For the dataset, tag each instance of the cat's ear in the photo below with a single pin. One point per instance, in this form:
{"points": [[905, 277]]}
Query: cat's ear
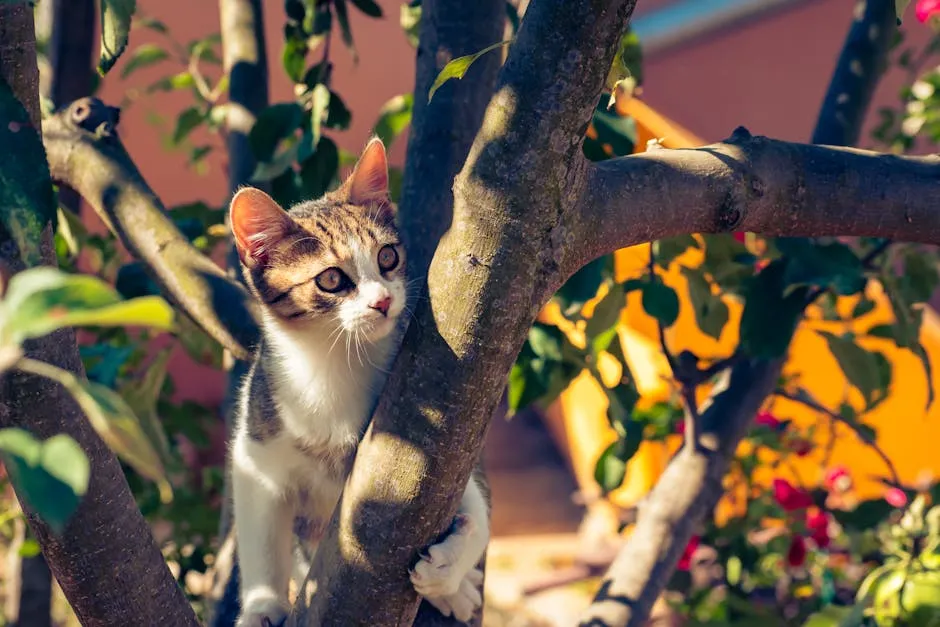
{"points": [[257, 224], [369, 181]]}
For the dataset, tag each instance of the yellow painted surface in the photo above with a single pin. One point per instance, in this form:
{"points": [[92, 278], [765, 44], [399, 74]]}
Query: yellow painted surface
{"points": [[909, 435]]}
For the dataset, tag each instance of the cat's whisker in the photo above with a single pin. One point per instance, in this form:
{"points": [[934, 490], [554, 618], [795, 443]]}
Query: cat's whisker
{"points": [[358, 345], [338, 332]]}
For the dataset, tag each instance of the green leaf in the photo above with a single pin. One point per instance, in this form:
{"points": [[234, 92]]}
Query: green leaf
{"points": [[27, 201], [274, 124], [628, 63], [665, 251], [612, 465], [142, 394], [112, 419], [613, 131], [458, 67], [369, 7], [919, 280], [143, 56], [605, 317], [610, 470], [293, 58], [825, 265], [115, 26], [769, 318], [394, 117], [861, 367], [186, 123], [711, 313], [885, 331], [661, 302], [51, 476], [728, 262], [150, 23], [921, 354], [342, 16], [182, 80], [41, 300], [319, 170], [410, 20], [320, 103], [862, 307], [338, 116], [583, 285], [546, 341], [907, 319], [29, 548]]}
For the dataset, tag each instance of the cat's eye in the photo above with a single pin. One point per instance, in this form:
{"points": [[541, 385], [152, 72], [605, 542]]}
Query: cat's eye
{"points": [[332, 280], [388, 258]]}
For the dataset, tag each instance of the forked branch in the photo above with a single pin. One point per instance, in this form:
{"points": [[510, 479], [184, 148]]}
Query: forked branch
{"points": [[85, 153]]}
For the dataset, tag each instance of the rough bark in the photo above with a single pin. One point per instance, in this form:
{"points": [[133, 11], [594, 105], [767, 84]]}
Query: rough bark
{"points": [[106, 560], [85, 152], [439, 140], [508, 243], [691, 485], [752, 183]]}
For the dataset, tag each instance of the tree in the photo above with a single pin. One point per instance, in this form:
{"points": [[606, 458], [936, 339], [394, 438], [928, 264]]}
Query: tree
{"points": [[527, 210]]}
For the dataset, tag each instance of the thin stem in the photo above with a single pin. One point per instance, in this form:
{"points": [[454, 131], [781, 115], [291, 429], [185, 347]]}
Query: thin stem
{"points": [[870, 441]]}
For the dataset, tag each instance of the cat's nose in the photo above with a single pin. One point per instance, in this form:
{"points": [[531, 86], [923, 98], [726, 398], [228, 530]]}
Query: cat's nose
{"points": [[382, 305]]}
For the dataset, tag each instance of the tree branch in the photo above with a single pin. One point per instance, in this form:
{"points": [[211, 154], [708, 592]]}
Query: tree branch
{"points": [[106, 560], [85, 152], [809, 401], [752, 183], [862, 62], [245, 62], [686, 491], [509, 238]]}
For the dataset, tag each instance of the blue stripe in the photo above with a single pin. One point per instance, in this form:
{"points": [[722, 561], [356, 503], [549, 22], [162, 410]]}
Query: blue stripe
{"points": [[688, 17]]}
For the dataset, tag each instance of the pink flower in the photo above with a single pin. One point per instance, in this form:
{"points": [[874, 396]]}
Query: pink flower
{"points": [[796, 556], [767, 419], [896, 497], [926, 9], [741, 235], [817, 522], [838, 478], [790, 498], [685, 562]]}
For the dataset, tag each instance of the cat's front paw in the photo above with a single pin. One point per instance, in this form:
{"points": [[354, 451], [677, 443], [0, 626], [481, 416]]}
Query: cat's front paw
{"points": [[463, 603], [447, 575], [263, 612]]}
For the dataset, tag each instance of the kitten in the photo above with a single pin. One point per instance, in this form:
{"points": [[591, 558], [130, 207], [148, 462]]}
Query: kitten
{"points": [[330, 275]]}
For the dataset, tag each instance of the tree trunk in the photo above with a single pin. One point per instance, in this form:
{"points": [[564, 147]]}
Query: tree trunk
{"points": [[245, 62], [106, 560], [440, 138]]}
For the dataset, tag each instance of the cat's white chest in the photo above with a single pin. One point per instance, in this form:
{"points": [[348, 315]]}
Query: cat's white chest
{"points": [[326, 392]]}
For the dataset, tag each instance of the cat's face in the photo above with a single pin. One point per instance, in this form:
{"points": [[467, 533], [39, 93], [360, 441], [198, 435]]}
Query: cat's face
{"points": [[336, 263]]}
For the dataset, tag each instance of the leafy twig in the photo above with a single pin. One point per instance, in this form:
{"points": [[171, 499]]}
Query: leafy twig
{"points": [[810, 402]]}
